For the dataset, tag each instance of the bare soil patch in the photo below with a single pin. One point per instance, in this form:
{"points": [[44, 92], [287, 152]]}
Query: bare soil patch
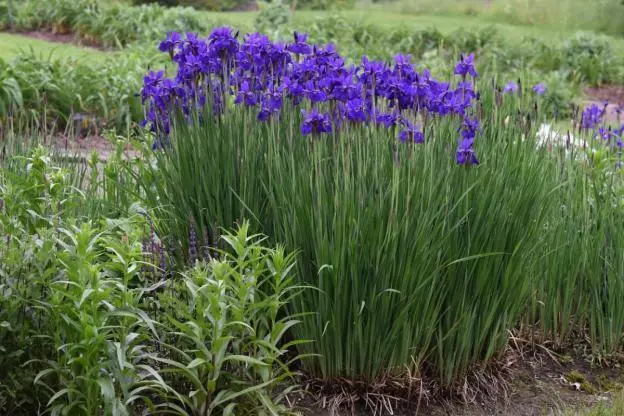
{"points": [[50, 36], [83, 147], [612, 93], [538, 384], [61, 37]]}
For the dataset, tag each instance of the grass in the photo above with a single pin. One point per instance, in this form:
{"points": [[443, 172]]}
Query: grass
{"points": [[391, 19], [564, 14], [616, 409], [387, 16], [445, 16], [396, 15], [12, 44]]}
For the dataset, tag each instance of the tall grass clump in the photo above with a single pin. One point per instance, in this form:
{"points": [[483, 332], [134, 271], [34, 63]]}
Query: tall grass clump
{"points": [[579, 286], [427, 215]]}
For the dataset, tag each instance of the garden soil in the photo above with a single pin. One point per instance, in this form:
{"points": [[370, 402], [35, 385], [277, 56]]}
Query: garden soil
{"points": [[539, 384]]}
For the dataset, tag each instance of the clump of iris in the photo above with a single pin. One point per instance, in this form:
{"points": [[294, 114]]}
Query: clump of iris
{"points": [[262, 75]]}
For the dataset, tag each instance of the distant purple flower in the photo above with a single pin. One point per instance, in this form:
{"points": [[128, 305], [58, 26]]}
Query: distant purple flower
{"points": [[510, 88], [466, 66], [540, 89], [316, 123], [606, 133], [592, 116]]}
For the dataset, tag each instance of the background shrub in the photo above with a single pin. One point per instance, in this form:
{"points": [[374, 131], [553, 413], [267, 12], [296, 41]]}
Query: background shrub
{"points": [[201, 4], [274, 19]]}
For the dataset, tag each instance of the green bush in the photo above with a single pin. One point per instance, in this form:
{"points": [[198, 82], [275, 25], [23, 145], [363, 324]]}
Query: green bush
{"points": [[224, 329], [90, 325], [11, 100], [54, 90], [324, 4], [592, 57], [274, 19], [199, 4]]}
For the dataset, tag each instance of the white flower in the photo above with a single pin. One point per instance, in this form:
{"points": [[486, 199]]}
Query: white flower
{"points": [[547, 136]]}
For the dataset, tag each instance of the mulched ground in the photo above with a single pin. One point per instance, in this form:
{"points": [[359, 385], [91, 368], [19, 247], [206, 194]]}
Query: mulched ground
{"points": [[49, 36], [539, 383], [612, 93], [83, 147], [56, 37]]}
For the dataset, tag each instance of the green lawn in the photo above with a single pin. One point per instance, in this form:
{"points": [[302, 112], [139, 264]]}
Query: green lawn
{"points": [[389, 17], [12, 44]]}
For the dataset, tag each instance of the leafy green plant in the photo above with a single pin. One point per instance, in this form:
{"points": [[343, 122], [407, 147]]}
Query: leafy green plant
{"points": [[273, 19], [58, 89], [199, 4], [225, 339], [89, 324], [591, 56], [11, 100], [101, 334]]}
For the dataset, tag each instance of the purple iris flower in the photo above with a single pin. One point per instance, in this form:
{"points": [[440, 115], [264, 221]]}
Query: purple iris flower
{"points": [[169, 44], [356, 111], [465, 154], [466, 66], [540, 89], [605, 133], [316, 123], [264, 114], [300, 46], [223, 42], [411, 133], [246, 95], [592, 116], [388, 120], [314, 92], [510, 88], [469, 128], [151, 83]]}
